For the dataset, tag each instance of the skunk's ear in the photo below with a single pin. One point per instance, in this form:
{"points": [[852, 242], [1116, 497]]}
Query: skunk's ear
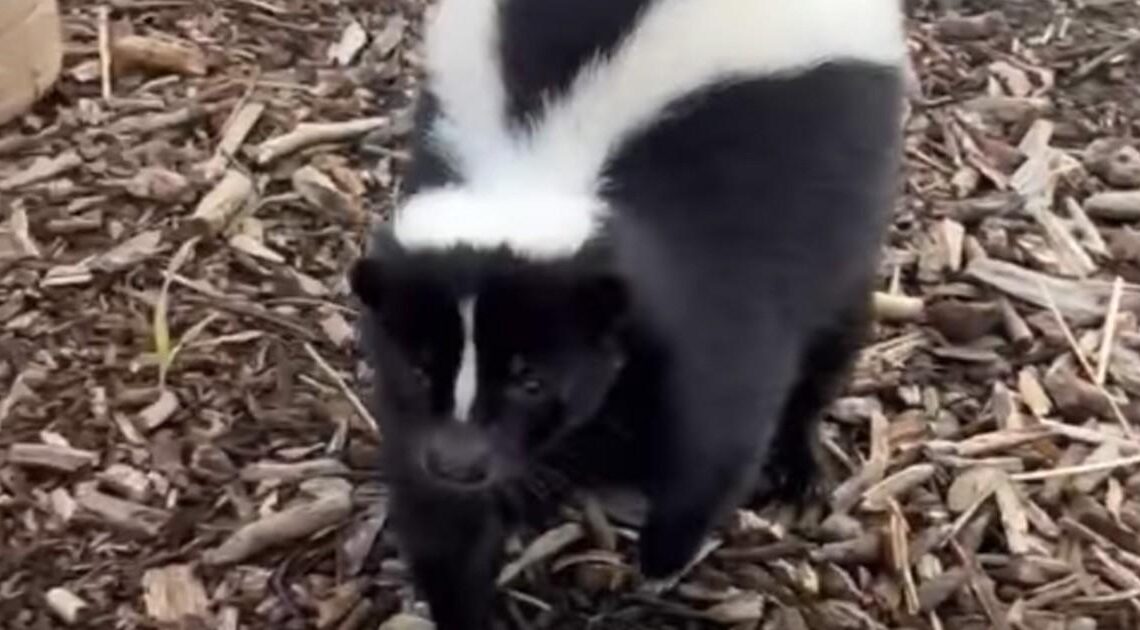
{"points": [[368, 281], [603, 301]]}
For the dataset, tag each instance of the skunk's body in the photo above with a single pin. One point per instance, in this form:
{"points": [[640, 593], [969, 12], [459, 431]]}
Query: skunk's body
{"points": [[659, 217]]}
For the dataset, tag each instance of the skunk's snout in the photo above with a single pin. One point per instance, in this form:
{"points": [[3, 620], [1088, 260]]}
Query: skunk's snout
{"points": [[458, 455]]}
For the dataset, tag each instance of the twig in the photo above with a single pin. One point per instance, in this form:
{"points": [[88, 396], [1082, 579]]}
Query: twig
{"points": [[1105, 57], [1090, 436], [66, 605], [42, 169], [328, 508], [241, 122], [51, 456], [307, 134], [1109, 331], [353, 399], [159, 53], [1081, 469], [1019, 332], [1076, 348], [105, 51], [895, 307], [234, 193], [147, 123]]}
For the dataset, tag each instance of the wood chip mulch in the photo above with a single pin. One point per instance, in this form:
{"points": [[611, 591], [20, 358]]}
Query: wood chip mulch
{"points": [[182, 443]]}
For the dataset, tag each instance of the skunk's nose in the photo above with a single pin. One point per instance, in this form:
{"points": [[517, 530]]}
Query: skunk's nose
{"points": [[458, 457]]}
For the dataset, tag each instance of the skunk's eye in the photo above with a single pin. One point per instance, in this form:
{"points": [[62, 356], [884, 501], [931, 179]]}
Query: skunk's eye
{"points": [[526, 378], [421, 376], [533, 386], [422, 360]]}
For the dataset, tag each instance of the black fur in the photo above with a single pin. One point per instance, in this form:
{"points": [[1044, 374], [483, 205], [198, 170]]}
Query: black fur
{"points": [[704, 331], [548, 42]]}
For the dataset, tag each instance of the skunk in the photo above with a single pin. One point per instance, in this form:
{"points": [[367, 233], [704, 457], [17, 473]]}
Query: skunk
{"points": [[653, 218]]}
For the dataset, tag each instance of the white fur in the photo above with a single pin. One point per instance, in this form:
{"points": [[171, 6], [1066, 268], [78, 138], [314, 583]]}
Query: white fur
{"points": [[467, 380], [540, 224], [537, 192], [463, 68]]}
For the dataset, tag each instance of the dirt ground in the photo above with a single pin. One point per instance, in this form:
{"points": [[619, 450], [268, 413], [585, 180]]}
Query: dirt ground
{"points": [[181, 442]]}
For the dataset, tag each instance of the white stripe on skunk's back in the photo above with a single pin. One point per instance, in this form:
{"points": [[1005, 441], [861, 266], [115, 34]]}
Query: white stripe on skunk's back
{"points": [[465, 73], [518, 184], [681, 46]]}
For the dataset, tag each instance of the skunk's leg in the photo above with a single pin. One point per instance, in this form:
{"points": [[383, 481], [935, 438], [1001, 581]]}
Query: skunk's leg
{"points": [[727, 396], [791, 472], [454, 549]]}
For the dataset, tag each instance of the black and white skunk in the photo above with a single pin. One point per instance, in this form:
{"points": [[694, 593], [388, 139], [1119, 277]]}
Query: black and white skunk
{"points": [[662, 216]]}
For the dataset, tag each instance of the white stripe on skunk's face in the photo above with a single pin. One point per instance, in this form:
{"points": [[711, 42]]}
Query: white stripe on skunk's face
{"points": [[467, 377]]}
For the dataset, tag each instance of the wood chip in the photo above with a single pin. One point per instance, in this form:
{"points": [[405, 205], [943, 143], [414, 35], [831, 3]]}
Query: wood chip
{"points": [[293, 471], [329, 508], [53, 457], [338, 330], [308, 134], [971, 487], [352, 40], [66, 605], [545, 546], [16, 242], [41, 169], [894, 308], [743, 608], [405, 621], [160, 411], [1088, 482], [935, 592], [323, 194], [1013, 517], [173, 594], [1082, 301], [877, 497], [157, 53], [157, 184], [128, 515], [970, 27], [231, 196], [1114, 205], [129, 253], [237, 128]]}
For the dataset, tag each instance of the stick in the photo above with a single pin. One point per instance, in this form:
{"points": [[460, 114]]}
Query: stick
{"points": [[1089, 234], [1019, 332], [241, 122], [42, 168], [229, 197], [160, 54], [146, 123], [1109, 331], [105, 51], [290, 524], [1114, 205], [1090, 436], [1076, 348], [353, 400], [66, 605], [307, 134], [893, 307], [51, 456], [1105, 57], [1081, 469]]}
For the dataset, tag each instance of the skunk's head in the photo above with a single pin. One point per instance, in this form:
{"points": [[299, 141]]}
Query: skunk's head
{"points": [[485, 358]]}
